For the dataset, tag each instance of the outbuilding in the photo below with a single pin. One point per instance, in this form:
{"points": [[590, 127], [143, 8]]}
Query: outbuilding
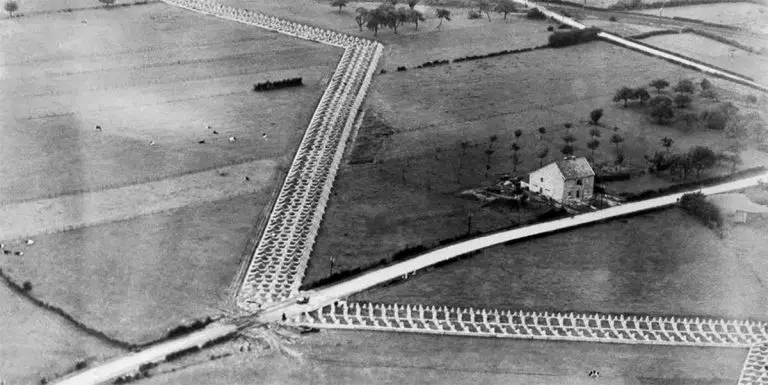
{"points": [[564, 180]]}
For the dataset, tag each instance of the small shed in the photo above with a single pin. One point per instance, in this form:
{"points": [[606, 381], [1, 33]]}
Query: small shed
{"points": [[567, 179], [737, 207]]}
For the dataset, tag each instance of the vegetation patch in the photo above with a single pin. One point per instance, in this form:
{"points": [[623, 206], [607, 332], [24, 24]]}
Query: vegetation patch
{"points": [[696, 204], [573, 37], [280, 84], [648, 194]]}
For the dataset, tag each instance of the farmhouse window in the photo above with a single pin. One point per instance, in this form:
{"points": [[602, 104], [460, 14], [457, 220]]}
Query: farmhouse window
{"points": [[542, 180], [578, 182], [570, 194]]}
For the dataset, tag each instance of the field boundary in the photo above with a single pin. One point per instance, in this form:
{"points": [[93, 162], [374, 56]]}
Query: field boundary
{"points": [[70, 10]]}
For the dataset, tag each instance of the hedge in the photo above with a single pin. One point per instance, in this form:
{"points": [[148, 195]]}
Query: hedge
{"points": [[721, 39], [697, 21], [612, 177], [573, 37], [646, 35], [269, 86], [536, 14], [648, 194], [696, 204]]}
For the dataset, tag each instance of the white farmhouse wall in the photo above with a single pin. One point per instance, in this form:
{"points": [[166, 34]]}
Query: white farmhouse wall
{"points": [[552, 184]]}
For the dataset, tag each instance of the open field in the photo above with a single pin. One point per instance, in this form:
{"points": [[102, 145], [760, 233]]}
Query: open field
{"points": [[713, 52], [456, 38], [36, 343], [745, 15], [416, 119], [134, 279], [624, 266], [144, 73], [390, 358], [74, 211]]}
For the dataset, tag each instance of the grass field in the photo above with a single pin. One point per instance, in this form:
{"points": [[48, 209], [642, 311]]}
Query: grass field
{"points": [[391, 358], [69, 212], [456, 38], [716, 53], [36, 343], [134, 279], [416, 120], [745, 15], [624, 266], [144, 73]]}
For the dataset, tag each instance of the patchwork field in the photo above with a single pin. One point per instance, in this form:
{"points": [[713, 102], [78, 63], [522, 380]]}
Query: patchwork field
{"points": [[136, 278], [746, 15], [417, 119], [145, 73], [391, 358], [36, 343], [624, 266], [715, 53]]}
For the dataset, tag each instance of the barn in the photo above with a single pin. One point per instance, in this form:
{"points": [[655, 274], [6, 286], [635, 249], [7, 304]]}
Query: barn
{"points": [[567, 179]]}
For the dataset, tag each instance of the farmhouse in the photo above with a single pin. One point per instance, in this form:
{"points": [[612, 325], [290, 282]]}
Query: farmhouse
{"points": [[567, 179]]}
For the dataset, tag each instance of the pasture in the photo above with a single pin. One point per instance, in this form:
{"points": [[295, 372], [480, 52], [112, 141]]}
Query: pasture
{"points": [[134, 279], [144, 73], [36, 343], [416, 121], [392, 358], [713, 52], [623, 266], [456, 38], [745, 15]]}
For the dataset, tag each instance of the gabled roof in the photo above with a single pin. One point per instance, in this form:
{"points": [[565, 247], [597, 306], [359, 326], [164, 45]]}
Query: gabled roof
{"points": [[574, 168]]}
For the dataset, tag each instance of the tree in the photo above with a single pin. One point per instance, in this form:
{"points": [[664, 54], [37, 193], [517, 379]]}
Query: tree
{"points": [[412, 3], [107, 3], [361, 17], [705, 84], [491, 140], [542, 131], [641, 94], [515, 157], [484, 7], [732, 158], [682, 100], [659, 84], [595, 133], [403, 15], [702, 157], [27, 286], [667, 142], [714, 119], [415, 17], [709, 94], [11, 6], [568, 138], [690, 120], [381, 16], [625, 94], [567, 149], [617, 139], [542, 153], [340, 4], [593, 145], [518, 134], [443, 14], [661, 109], [619, 159], [684, 86], [488, 154], [595, 115], [505, 7], [681, 163]]}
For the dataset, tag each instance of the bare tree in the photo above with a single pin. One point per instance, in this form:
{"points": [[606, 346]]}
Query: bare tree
{"points": [[339, 3], [11, 6], [443, 14]]}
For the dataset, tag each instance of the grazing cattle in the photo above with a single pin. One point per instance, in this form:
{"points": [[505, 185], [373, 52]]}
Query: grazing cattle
{"points": [[30, 242], [19, 253], [6, 251], [264, 136], [215, 132], [201, 141], [2, 245], [98, 128], [232, 139], [247, 178], [151, 143], [209, 127], [84, 21]]}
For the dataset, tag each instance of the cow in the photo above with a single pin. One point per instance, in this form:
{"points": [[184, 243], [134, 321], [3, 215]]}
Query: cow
{"points": [[232, 138], [29, 242], [201, 141], [98, 128], [19, 253]]}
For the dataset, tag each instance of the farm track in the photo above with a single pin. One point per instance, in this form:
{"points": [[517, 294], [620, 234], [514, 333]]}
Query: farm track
{"points": [[578, 327]]}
